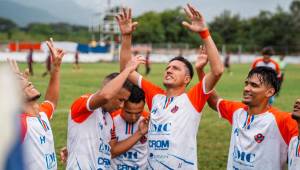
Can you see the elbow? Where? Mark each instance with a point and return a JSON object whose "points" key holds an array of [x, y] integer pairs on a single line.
{"points": [[218, 72]]}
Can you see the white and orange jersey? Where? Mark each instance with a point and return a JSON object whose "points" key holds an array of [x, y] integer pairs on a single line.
{"points": [[89, 134], [173, 126], [259, 62], [38, 143], [294, 154], [136, 157], [257, 141]]}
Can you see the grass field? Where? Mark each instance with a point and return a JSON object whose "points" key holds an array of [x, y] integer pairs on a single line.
{"points": [[214, 133]]}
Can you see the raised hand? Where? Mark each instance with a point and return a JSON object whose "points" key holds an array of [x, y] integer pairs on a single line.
{"points": [[135, 61], [201, 60], [197, 21], [15, 68], [125, 22], [56, 54], [143, 126]]}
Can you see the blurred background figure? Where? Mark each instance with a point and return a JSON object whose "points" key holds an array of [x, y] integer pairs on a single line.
{"points": [[10, 128], [147, 64], [227, 63], [48, 65], [30, 61], [76, 61]]}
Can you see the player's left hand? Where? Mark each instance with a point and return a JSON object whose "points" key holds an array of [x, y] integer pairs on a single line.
{"points": [[143, 126], [56, 54], [197, 21], [201, 60], [135, 61]]}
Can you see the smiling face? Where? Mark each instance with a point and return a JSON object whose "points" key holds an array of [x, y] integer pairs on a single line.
{"points": [[29, 91], [176, 74], [256, 92]]}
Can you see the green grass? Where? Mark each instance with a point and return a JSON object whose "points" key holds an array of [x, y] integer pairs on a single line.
{"points": [[214, 133]]}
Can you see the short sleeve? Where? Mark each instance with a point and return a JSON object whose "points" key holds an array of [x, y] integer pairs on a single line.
{"points": [[227, 108], [48, 108], [80, 110], [150, 90]]}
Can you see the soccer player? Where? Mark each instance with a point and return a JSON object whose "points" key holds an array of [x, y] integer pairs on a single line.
{"points": [[126, 122], [30, 61], [260, 133], [175, 114], [294, 146], [91, 137], [38, 143]]}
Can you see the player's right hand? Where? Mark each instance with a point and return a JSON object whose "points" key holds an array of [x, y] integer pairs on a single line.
{"points": [[201, 60], [125, 22], [135, 61], [63, 155]]}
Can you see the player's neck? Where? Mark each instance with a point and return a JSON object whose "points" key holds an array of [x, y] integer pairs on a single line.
{"points": [[255, 110], [175, 91], [31, 108]]}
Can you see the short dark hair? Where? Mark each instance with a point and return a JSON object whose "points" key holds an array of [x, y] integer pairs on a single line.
{"points": [[267, 76], [186, 63], [267, 51], [137, 95], [127, 84]]}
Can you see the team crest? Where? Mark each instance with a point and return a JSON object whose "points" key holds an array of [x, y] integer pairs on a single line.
{"points": [[174, 109], [259, 138], [143, 139]]}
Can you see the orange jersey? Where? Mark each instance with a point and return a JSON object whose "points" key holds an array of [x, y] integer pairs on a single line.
{"points": [[38, 143], [173, 127], [257, 141], [272, 64]]}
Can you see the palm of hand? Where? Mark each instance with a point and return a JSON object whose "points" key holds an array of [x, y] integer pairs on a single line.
{"points": [[201, 61], [126, 27]]}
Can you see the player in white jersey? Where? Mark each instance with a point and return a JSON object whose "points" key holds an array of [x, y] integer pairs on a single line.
{"points": [[126, 122], [91, 136], [294, 146], [175, 114], [38, 143], [260, 133]]}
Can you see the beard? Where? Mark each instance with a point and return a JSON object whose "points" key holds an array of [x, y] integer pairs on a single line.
{"points": [[34, 98]]}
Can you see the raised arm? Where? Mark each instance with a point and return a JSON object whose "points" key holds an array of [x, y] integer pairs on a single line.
{"points": [[198, 25], [117, 148], [110, 89], [126, 28], [52, 93]]}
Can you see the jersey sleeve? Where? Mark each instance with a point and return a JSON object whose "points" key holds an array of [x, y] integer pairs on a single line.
{"points": [[80, 110], [288, 127], [48, 108], [226, 108], [198, 96], [23, 126], [150, 90]]}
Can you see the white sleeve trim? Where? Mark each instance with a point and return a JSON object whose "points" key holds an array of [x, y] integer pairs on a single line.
{"points": [[88, 103], [140, 81], [218, 103], [203, 86]]}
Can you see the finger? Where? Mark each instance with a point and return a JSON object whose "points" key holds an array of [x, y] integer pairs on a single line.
{"points": [[129, 13], [51, 41], [134, 24], [186, 24], [15, 66], [121, 16], [188, 13], [192, 10], [117, 18], [125, 13], [26, 73]]}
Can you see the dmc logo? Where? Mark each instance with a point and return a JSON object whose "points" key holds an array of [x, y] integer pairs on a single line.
{"points": [[245, 157], [104, 148], [50, 160], [104, 161], [154, 110], [127, 167], [160, 128], [259, 138], [130, 155], [159, 144]]}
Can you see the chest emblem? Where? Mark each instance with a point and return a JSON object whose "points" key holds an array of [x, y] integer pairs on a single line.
{"points": [[174, 109], [259, 138]]}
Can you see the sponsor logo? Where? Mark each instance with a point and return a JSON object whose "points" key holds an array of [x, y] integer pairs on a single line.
{"points": [[143, 140], [245, 158], [159, 144], [103, 162], [100, 126], [164, 128], [104, 148], [50, 160], [236, 132], [259, 138], [174, 109], [129, 155], [127, 167]]}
